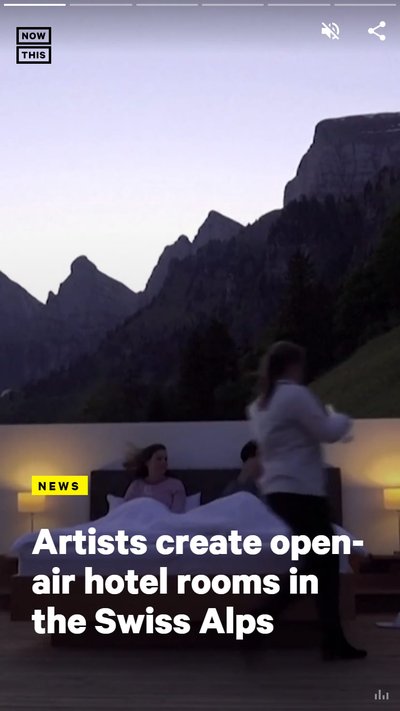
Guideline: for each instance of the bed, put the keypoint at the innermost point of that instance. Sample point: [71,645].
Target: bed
[210,485]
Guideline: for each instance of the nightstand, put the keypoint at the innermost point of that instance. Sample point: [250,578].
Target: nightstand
[8,568]
[377,584]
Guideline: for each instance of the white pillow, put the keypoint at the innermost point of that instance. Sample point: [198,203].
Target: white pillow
[192,502]
[114,501]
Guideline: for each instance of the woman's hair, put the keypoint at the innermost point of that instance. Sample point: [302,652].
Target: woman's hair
[136,460]
[281,356]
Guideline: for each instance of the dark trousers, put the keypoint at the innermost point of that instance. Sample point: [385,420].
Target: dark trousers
[310,516]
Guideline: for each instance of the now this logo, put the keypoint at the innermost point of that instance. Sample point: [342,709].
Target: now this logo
[33,45]
[60,485]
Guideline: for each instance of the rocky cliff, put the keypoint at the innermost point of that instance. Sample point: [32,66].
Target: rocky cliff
[216,227]
[230,272]
[179,250]
[87,305]
[345,154]
[19,312]
[239,282]
[90,300]
[37,339]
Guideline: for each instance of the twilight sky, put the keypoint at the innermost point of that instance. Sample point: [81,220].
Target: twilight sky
[138,129]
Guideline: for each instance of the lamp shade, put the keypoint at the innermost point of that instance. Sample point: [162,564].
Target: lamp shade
[391,498]
[27,503]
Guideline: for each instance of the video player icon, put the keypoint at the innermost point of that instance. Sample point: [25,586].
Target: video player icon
[373,31]
[331,30]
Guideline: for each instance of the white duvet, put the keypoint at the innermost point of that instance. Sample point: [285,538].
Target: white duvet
[241,512]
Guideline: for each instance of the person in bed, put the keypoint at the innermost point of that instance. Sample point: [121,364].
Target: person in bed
[290,425]
[250,471]
[150,466]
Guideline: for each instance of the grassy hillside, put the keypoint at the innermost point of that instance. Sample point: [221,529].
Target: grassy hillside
[368,383]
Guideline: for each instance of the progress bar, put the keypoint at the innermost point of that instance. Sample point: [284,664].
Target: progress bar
[167,4]
[101,4]
[365,4]
[202,4]
[233,4]
[299,4]
[34,4]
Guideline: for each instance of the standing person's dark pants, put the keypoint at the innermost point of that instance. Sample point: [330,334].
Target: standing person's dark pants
[310,516]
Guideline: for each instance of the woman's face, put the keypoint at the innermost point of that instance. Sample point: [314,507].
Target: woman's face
[158,464]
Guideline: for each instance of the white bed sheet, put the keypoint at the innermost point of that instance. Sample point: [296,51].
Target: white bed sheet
[241,512]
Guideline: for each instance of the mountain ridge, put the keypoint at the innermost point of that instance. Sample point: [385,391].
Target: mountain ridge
[345,154]
[87,305]
[231,272]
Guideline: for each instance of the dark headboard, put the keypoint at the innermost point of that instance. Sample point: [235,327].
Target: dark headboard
[209,482]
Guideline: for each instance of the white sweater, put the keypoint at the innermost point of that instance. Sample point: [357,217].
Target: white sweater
[289,433]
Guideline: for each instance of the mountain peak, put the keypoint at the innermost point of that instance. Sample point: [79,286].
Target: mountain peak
[215,216]
[214,213]
[82,265]
[216,227]
[178,250]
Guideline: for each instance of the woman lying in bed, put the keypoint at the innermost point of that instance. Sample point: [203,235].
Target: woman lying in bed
[150,466]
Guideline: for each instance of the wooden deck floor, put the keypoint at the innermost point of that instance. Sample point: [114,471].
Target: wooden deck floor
[37,677]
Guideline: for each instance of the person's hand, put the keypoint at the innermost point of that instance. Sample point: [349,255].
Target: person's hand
[251,470]
[330,410]
[349,436]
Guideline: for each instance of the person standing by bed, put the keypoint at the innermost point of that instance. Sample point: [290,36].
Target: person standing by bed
[150,466]
[290,425]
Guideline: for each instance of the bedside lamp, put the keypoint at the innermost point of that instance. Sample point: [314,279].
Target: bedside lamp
[27,503]
[391,499]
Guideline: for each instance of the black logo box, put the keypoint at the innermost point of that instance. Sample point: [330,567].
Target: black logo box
[33,41]
[41,47]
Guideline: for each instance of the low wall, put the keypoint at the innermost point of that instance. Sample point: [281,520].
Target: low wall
[369,463]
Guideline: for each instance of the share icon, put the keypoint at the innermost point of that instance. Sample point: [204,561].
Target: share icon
[373,31]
